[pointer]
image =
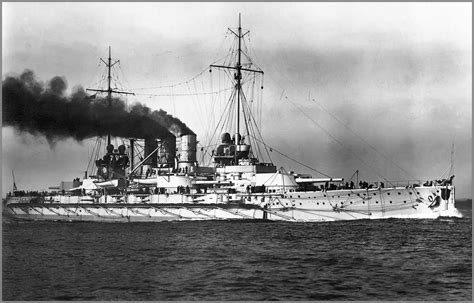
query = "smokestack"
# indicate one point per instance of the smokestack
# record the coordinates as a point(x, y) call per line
point(167, 151)
point(150, 146)
point(187, 152)
point(132, 154)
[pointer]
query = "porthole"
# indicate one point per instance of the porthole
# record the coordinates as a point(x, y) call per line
point(399, 193)
point(388, 194)
point(404, 201)
point(363, 202)
point(348, 195)
point(298, 196)
point(317, 203)
point(409, 193)
point(390, 202)
point(324, 203)
point(301, 204)
point(417, 192)
point(377, 202)
point(338, 196)
point(374, 194)
point(342, 203)
point(351, 202)
point(358, 195)
point(325, 195)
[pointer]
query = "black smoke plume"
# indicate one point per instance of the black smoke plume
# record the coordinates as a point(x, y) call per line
point(173, 124)
point(33, 107)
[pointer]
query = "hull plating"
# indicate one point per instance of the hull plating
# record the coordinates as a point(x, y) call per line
point(401, 202)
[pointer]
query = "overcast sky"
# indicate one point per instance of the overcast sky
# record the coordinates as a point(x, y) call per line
point(397, 75)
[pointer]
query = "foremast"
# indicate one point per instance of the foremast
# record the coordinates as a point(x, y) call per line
point(113, 164)
point(109, 89)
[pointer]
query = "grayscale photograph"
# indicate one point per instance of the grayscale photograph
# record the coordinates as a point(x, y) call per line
point(182, 151)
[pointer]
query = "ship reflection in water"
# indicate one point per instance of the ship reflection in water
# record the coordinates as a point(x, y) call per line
point(394, 259)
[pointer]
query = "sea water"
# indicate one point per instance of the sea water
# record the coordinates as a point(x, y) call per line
point(393, 259)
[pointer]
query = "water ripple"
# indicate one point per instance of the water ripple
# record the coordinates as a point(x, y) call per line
point(391, 259)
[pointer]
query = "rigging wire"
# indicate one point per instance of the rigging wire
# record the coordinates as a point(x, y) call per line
point(446, 173)
point(363, 140)
point(173, 101)
point(122, 73)
point(340, 143)
point(257, 146)
point(259, 133)
point(89, 165)
point(229, 102)
point(337, 141)
point(212, 119)
point(293, 159)
point(451, 167)
point(196, 100)
point(97, 83)
point(252, 119)
point(179, 83)
point(183, 94)
point(172, 85)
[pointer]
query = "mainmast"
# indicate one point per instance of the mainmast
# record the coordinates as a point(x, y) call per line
point(109, 90)
point(238, 78)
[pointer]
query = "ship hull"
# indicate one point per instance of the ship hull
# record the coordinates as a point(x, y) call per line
point(130, 212)
point(398, 202)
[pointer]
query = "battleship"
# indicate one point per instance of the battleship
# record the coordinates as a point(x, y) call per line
point(158, 178)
